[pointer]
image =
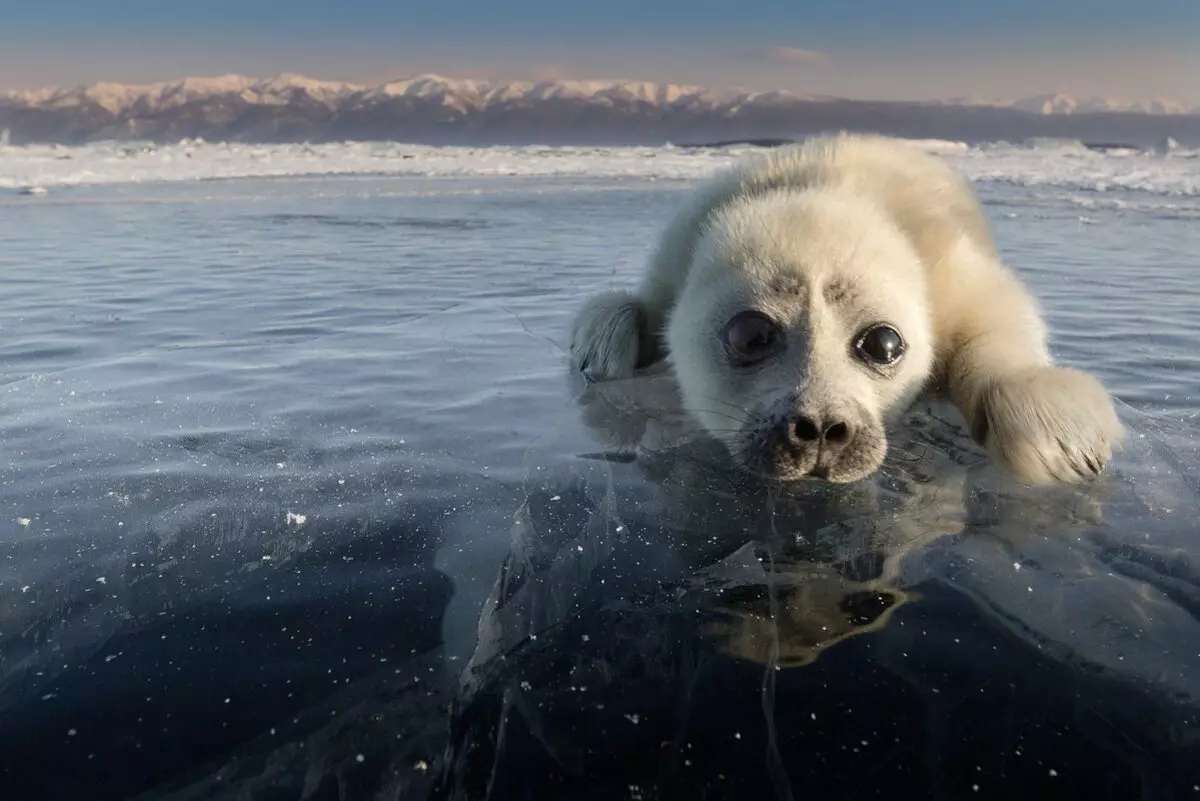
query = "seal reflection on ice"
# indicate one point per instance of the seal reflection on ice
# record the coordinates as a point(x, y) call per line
point(805, 299)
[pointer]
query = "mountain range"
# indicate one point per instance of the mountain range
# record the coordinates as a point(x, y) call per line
point(436, 110)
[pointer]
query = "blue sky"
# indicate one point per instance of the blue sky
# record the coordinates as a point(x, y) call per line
point(859, 48)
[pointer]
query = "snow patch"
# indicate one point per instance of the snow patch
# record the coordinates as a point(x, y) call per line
point(1065, 164)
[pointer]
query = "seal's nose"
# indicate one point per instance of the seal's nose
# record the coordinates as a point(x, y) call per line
point(829, 434)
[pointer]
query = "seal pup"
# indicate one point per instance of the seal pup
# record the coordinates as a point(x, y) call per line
point(805, 299)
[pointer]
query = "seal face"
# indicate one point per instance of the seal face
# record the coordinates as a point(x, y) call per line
point(804, 330)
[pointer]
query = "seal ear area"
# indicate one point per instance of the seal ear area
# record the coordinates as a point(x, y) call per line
point(611, 337)
point(1048, 425)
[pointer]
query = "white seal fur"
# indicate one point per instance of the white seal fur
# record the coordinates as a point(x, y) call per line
point(806, 298)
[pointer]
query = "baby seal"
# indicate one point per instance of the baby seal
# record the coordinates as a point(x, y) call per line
point(805, 299)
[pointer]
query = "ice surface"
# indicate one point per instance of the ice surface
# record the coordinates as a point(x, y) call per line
point(310, 446)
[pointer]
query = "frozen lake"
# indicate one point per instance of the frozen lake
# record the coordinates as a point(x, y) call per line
point(296, 493)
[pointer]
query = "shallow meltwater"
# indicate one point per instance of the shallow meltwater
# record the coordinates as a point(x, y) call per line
point(297, 500)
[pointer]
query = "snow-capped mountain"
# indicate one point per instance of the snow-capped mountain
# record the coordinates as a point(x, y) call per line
point(436, 109)
point(466, 94)
point(461, 94)
point(118, 98)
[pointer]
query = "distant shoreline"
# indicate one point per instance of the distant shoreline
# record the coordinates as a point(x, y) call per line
point(1098, 169)
point(770, 143)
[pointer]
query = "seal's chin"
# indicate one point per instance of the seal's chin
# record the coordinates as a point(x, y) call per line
point(789, 474)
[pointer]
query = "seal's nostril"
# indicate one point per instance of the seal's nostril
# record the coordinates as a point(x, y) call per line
point(805, 429)
point(838, 432)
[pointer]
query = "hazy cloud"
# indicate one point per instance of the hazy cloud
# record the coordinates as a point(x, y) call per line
point(789, 54)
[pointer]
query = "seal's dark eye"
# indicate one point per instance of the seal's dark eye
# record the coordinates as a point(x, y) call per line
point(880, 346)
point(750, 337)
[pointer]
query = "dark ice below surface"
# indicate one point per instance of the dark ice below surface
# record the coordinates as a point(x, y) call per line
point(660, 628)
